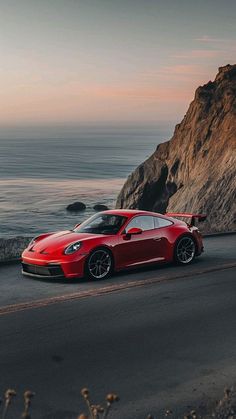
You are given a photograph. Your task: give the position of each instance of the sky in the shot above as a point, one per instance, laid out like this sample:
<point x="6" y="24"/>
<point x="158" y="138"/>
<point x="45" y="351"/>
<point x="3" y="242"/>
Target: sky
<point x="109" y="61"/>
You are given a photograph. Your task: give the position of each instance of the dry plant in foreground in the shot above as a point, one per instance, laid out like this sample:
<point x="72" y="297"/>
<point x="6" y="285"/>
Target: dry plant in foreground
<point x="28" y="395"/>
<point x="8" y="398"/>
<point x="97" y="411"/>
<point x="224" y="409"/>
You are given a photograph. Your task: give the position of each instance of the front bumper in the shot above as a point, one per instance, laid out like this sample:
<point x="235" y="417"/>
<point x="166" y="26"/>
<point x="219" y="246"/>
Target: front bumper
<point x="42" y="266"/>
<point x="39" y="271"/>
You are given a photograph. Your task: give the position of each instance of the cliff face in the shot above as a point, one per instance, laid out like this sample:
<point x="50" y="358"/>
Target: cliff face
<point x="196" y="170"/>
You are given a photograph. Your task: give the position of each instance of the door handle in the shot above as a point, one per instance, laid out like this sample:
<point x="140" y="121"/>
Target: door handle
<point x="158" y="239"/>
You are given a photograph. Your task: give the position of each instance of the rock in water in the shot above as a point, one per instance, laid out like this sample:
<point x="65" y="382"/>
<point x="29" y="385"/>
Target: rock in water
<point x="76" y="206"/>
<point x="100" y="207"/>
<point x="196" y="170"/>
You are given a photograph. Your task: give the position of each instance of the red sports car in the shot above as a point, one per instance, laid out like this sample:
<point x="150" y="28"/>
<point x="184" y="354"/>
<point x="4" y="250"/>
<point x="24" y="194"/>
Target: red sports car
<point x="111" y="241"/>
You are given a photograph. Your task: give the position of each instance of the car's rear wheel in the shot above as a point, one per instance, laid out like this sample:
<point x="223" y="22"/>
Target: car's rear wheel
<point x="99" y="264"/>
<point x="185" y="250"/>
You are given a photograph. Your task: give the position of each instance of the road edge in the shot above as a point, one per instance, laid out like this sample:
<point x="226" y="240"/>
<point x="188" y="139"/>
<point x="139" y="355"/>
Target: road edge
<point x="95" y="292"/>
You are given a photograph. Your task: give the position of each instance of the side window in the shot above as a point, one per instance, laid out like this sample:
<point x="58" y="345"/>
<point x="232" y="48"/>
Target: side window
<point x="161" y="222"/>
<point x="145" y="222"/>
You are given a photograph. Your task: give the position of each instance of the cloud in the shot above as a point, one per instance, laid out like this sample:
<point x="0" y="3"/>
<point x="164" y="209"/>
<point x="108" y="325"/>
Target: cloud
<point x="180" y="69"/>
<point x="208" y="39"/>
<point x="182" y="72"/>
<point x="76" y="102"/>
<point x="152" y="93"/>
<point x="175" y="72"/>
<point x="198" y="53"/>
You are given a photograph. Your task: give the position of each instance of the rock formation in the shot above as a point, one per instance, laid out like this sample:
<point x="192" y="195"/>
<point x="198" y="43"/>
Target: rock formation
<point x="100" y="207"/>
<point x="76" y="206"/>
<point x="196" y="170"/>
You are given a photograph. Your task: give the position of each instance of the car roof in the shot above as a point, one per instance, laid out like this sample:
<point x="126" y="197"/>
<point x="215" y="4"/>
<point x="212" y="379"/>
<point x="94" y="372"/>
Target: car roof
<point x="129" y="213"/>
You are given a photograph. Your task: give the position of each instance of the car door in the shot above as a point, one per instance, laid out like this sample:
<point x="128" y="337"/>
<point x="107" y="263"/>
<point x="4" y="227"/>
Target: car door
<point x="161" y="237"/>
<point x="138" y="248"/>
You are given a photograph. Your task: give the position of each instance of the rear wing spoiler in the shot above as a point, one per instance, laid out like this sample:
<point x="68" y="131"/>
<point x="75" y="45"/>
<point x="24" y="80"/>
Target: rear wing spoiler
<point x="193" y="217"/>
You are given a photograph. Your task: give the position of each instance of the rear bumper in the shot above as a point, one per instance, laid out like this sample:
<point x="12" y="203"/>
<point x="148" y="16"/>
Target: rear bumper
<point x="198" y="241"/>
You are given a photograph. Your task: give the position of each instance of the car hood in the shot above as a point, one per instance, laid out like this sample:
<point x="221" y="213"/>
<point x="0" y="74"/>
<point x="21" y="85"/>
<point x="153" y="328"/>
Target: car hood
<point x="59" y="241"/>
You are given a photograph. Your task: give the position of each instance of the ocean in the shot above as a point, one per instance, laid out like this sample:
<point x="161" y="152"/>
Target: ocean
<point x="39" y="177"/>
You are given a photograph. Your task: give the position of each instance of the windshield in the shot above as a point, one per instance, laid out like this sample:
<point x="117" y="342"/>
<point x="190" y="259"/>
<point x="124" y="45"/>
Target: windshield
<point x="102" y="224"/>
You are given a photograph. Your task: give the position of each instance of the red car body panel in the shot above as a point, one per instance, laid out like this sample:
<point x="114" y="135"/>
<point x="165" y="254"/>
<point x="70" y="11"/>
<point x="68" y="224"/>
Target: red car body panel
<point x="152" y="246"/>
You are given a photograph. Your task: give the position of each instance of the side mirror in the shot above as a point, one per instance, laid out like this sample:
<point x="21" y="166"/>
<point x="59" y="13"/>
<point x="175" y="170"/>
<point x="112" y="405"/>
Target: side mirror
<point x="134" y="230"/>
<point x="76" y="225"/>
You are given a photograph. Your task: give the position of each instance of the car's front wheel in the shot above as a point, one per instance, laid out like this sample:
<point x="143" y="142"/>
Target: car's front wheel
<point x="99" y="264"/>
<point x="185" y="250"/>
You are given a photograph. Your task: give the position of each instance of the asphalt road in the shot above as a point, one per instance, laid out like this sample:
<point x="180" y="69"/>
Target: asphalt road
<point x="161" y="337"/>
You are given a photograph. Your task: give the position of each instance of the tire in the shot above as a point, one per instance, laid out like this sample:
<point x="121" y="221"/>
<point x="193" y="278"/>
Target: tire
<point x="99" y="265"/>
<point x="185" y="250"/>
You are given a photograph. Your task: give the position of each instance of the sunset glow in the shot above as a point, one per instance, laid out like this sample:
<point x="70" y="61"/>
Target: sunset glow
<point x="80" y="62"/>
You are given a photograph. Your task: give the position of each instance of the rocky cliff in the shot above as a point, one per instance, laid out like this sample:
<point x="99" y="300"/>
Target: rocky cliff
<point x="196" y="170"/>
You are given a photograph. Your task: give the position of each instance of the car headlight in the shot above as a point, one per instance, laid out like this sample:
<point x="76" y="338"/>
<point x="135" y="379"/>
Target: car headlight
<point x="72" y="248"/>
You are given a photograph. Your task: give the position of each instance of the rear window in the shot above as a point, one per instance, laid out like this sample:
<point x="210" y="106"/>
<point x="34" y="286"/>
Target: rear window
<point x="161" y="222"/>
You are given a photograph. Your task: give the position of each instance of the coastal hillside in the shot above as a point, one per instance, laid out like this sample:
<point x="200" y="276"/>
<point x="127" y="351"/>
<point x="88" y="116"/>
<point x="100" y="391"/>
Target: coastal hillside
<point x="195" y="171"/>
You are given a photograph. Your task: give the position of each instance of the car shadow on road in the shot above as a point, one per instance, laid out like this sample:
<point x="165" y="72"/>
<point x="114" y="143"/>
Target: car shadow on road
<point x="157" y="268"/>
<point x="129" y="272"/>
